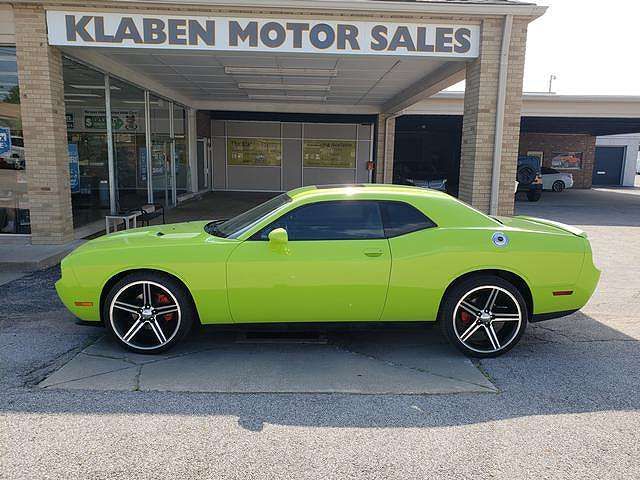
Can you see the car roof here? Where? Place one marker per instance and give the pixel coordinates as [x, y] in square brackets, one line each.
[382, 189]
[440, 207]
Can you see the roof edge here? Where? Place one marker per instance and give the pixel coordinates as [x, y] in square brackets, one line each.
[528, 10]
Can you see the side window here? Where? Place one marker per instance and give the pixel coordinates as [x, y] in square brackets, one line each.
[334, 220]
[401, 218]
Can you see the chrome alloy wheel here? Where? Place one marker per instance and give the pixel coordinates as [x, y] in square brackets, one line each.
[145, 315]
[487, 319]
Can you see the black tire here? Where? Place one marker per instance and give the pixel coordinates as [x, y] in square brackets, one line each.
[507, 332]
[558, 186]
[174, 325]
[534, 195]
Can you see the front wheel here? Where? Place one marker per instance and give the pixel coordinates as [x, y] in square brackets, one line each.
[148, 312]
[484, 316]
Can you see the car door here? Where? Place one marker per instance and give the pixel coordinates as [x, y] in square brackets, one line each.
[334, 267]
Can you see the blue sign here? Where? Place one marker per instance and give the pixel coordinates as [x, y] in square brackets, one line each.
[74, 168]
[5, 140]
[142, 165]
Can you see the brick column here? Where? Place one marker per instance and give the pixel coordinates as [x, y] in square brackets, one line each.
[385, 144]
[44, 127]
[480, 108]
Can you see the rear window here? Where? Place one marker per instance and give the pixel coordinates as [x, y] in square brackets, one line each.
[400, 218]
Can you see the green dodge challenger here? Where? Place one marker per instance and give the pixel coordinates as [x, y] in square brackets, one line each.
[362, 253]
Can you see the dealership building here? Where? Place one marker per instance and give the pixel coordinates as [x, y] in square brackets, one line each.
[107, 106]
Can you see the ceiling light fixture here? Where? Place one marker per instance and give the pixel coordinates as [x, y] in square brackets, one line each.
[282, 72]
[284, 86]
[92, 87]
[82, 95]
[294, 98]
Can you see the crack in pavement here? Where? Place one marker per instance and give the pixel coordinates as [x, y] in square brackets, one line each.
[417, 369]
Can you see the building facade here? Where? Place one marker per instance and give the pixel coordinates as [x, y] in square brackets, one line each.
[106, 106]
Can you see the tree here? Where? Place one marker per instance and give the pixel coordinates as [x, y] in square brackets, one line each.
[13, 96]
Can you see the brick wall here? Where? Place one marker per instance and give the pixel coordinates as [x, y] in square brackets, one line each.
[550, 143]
[44, 128]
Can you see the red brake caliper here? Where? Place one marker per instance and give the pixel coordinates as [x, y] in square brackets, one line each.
[465, 317]
[163, 299]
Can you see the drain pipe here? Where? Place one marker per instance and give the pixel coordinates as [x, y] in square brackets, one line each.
[502, 97]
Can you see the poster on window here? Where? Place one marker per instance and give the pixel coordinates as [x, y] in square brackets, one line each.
[5, 140]
[329, 153]
[74, 168]
[567, 160]
[254, 152]
[121, 120]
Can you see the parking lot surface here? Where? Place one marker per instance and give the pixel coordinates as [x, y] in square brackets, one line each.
[563, 404]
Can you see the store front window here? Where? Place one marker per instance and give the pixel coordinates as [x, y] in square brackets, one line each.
[183, 176]
[84, 98]
[129, 144]
[161, 169]
[14, 205]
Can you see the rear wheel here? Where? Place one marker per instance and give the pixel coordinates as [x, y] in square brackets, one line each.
[148, 312]
[558, 186]
[484, 316]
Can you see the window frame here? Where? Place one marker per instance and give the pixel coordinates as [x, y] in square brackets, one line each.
[256, 236]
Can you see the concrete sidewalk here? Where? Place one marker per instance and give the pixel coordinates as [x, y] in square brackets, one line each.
[229, 363]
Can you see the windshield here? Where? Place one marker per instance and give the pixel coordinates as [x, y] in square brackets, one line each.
[226, 228]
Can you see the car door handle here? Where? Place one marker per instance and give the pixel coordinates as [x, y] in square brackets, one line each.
[373, 252]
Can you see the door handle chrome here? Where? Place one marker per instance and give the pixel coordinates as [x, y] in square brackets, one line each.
[373, 252]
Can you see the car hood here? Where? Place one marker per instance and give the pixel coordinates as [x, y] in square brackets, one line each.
[174, 233]
[540, 225]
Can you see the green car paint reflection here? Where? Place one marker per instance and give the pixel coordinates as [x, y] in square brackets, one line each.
[404, 255]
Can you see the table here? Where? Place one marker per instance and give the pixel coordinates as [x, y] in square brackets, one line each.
[127, 218]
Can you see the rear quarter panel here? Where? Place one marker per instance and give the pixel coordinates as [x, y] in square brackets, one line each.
[425, 263]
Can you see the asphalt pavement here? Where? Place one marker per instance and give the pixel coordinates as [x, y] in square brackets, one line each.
[566, 405]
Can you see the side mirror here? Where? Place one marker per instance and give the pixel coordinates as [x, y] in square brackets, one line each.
[278, 236]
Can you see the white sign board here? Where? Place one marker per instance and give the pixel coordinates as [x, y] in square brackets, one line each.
[262, 34]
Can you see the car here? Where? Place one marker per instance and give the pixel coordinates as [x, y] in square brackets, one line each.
[554, 180]
[420, 175]
[529, 177]
[360, 253]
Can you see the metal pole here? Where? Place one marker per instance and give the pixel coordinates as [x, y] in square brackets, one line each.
[111, 165]
[502, 97]
[147, 134]
[172, 153]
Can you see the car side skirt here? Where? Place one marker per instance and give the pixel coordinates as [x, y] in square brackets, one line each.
[541, 317]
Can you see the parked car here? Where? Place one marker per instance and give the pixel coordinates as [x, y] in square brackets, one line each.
[382, 253]
[423, 176]
[529, 177]
[554, 180]
[14, 160]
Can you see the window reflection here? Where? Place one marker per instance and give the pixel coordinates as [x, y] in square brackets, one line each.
[14, 206]
[129, 144]
[84, 98]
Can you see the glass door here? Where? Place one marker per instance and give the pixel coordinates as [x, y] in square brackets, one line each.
[161, 148]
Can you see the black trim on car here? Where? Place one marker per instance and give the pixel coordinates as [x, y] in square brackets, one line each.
[541, 317]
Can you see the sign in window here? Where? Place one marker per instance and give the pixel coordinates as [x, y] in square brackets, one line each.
[329, 153]
[254, 152]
